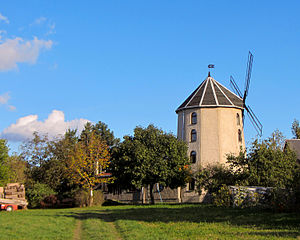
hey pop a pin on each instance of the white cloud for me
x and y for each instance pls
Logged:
(39, 21)
(51, 29)
(4, 101)
(54, 125)
(4, 98)
(3, 18)
(12, 108)
(13, 51)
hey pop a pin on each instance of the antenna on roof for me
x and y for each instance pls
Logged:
(210, 66)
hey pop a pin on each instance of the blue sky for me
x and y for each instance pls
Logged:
(130, 63)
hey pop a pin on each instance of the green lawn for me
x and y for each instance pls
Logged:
(149, 222)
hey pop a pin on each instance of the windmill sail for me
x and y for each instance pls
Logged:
(254, 120)
(248, 75)
(235, 87)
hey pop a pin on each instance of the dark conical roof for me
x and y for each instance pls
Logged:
(210, 93)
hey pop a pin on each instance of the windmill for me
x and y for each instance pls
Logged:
(254, 120)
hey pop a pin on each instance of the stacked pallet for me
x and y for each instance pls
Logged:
(1, 192)
(14, 191)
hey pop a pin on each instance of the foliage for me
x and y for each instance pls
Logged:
(212, 178)
(4, 169)
(222, 198)
(50, 201)
(151, 156)
(36, 193)
(88, 161)
(82, 198)
(47, 160)
(242, 197)
(282, 199)
(101, 130)
(17, 168)
(266, 164)
(296, 129)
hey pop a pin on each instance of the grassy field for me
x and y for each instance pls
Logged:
(149, 222)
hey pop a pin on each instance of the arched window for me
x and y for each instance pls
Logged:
(193, 118)
(192, 184)
(238, 120)
(193, 157)
(193, 135)
(240, 135)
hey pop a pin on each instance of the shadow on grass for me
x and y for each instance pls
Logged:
(285, 224)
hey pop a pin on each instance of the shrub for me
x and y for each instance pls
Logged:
(98, 198)
(282, 199)
(50, 202)
(212, 178)
(36, 193)
(81, 198)
(243, 197)
(222, 197)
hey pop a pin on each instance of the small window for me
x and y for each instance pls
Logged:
(240, 135)
(193, 157)
(238, 120)
(194, 118)
(192, 185)
(193, 135)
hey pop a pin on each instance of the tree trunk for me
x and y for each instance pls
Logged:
(151, 194)
(144, 195)
(91, 200)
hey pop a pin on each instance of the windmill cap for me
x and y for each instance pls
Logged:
(211, 93)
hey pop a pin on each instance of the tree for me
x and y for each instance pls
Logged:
(17, 168)
(102, 131)
(4, 170)
(46, 161)
(88, 161)
(296, 129)
(151, 156)
(266, 164)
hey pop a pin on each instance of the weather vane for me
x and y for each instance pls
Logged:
(210, 66)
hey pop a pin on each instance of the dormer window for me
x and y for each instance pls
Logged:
(238, 120)
(193, 118)
(193, 135)
(193, 157)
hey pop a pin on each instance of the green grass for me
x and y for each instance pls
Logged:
(149, 222)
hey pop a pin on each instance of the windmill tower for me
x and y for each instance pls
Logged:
(211, 121)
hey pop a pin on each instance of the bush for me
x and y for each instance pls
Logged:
(82, 197)
(222, 197)
(98, 198)
(282, 200)
(36, 193)
(50, 202)
(212, 178)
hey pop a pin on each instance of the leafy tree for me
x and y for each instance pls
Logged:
(54, 170)
(4, 170)
(17, 168)
(102, 131)
(37, 150)
(47, 161)
(212, 178)
(151, 156)
(88, 161)
(296, 129)
(266, 164)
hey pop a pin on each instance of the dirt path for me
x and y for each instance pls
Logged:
(77, 230)
(115, 231)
